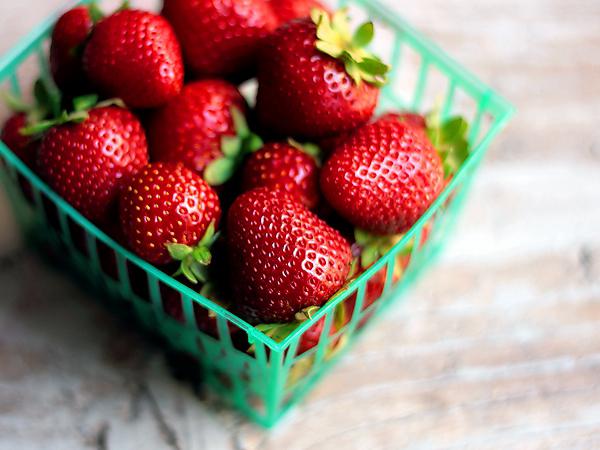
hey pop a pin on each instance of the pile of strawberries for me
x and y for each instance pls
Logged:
(269, 209)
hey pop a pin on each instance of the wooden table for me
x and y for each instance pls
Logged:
(498, 347)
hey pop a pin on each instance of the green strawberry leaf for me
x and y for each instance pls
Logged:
(210, 236)
(306, 313)
(85, 102)
(111, 102)
(48, 95)
(449, 138)
(239, 122)
(44, 125)
(199, 272)
(202, 255)
(369, 256)
(364, 35)
(126, 4)
(334, 39)
(252, 143)
(231, 146)
(333, 50)
(96, 13)
(194, 260)
(219, 171)
(373, 246)
(179, 251)
(15, 103)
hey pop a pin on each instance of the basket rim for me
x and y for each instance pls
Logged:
(493, 103)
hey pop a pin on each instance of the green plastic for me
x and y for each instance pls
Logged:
(266, 384)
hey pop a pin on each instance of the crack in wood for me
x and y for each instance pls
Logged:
(168, 432)
(586, 262)
(102, 437)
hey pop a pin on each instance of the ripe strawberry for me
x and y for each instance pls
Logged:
(283, 258)
(449, 137)
(383, 177)
(134, 55)
(87, 163)
(22, 146)
(315, 80)
(286, 167)
(68, 38)
(220, 37)
(169, 212)
(286, 10)
(415, 120)
(190, 128)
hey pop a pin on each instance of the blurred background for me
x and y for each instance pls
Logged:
(497, 347)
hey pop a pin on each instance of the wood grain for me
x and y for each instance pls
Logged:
(498, 346)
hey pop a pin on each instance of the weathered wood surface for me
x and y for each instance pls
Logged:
(498, 347)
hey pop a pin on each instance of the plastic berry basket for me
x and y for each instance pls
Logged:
(267, 382)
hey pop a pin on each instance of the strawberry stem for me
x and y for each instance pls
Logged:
(234, 149)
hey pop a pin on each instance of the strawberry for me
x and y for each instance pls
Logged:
(283, 258)
(69, 36)
(286, 167)
(383, 177)
(448, 137)
(415, 120)
(88, 162)
(316, 80)
(167, 212)
(220, 37)
(190, 128)
(22, 146)
(286, 10)
(134, 55)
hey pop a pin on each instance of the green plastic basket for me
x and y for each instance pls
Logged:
(264, 384)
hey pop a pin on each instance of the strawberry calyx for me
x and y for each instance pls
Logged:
(309, 148)
(234, 149)
(96, 13)
(335, 39)
(194, 260)
(81, 107)
(279, 331)
(449, 138)
(372, 247)
(46, 105)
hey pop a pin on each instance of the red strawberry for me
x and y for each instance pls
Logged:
(87, 163)
(449, 137)
(68, 38)
(307, 93)
(286, 10)
(165, 211)
(286, 167)
(283, 258)
(415, 120)
(220, 37)
(190, 127)
(22, 146)
(383, 178)
(134, 55)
